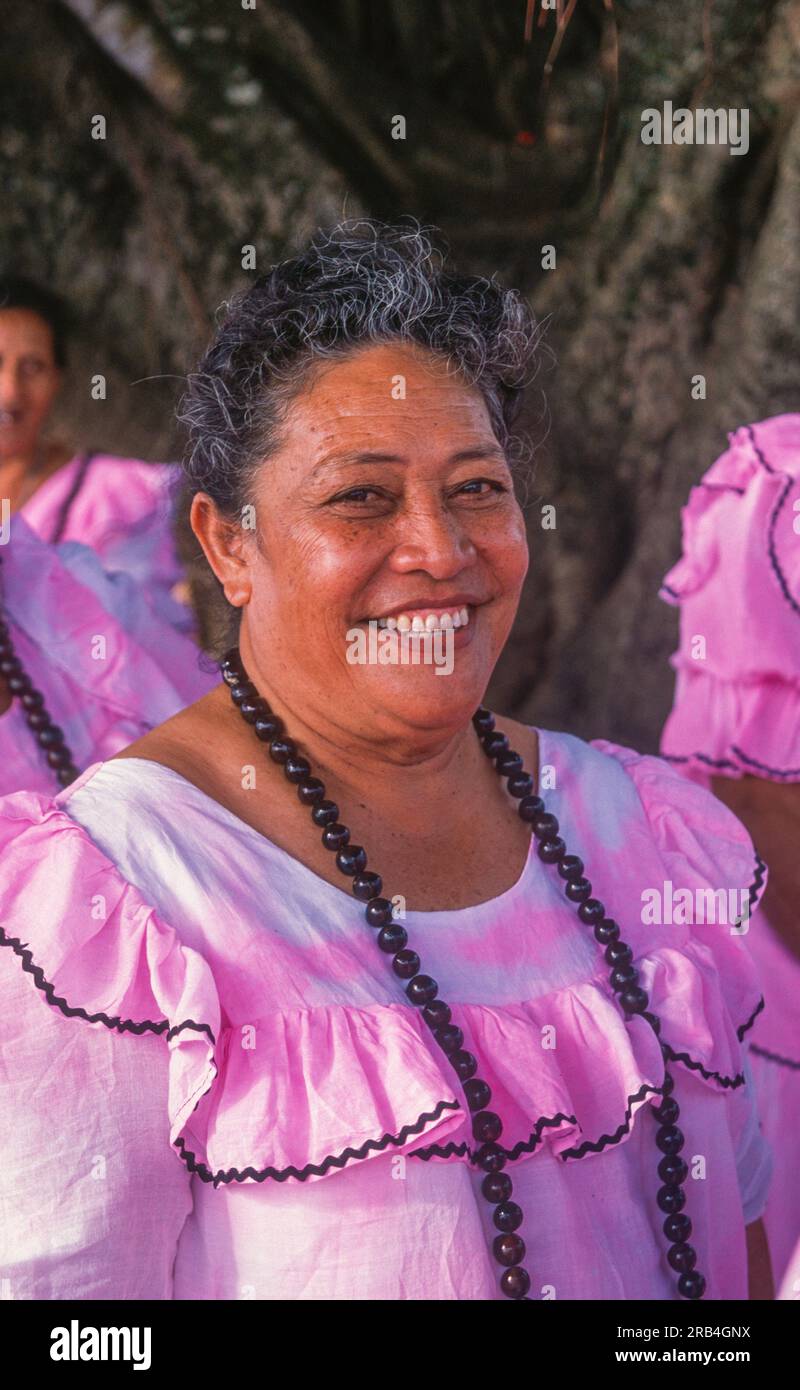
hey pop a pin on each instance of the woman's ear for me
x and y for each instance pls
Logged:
(223, 544)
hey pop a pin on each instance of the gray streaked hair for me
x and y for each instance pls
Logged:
(362, 282)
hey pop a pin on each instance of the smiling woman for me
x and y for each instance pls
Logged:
(403, 1024)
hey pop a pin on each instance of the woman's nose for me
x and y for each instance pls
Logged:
(432, 539)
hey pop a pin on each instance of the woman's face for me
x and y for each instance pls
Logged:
(29, 380)
(390, 496)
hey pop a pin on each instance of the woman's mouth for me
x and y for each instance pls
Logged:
(419, 620)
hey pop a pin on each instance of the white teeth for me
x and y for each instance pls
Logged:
(405, 622)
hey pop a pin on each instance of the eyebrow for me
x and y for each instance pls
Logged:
(478, 451)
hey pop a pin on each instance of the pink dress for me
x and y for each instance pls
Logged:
(124, 509)
(736, 711)
(225, 1094)
(110, 667)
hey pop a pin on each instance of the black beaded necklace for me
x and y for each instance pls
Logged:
(508, 1248)
(47, 734)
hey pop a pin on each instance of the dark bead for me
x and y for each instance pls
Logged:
(654, 1021)
(50, 737)
(232, 677)
(677, 1228)
(423, 989)
(530, 808)
(487, 1125)
(515, 1282)
(66, 775)
(450, 1038)
(378, 912)
(571, 867)
(406, 964)
(671, 1198)
(282, 749)
(495, 743)
(634, 1000)
(437, 1014)
(623, 976)
(37, 719)
(508, 1249)
(251, 710)
(668, 1084)
(692, 1285)
(325, 813)
(668, 1111)
(508, 1216)
(551, 850)
(6, 652)
(32, 699)
(591, 911)
(682, 1257)
(311, 791)
(351, 860)
(392, 937)
(335, 836)
(509, 762)
(618, 953)
(366, 886)
(606, 932)
(296, 769)
(490, 1157)
(520, 784)
(243, 690)
(478, 1093)
(483, 720)
(231, 663)
(268, 727)
(673, 1169)
(464, 1064)
(545, 826)
(578, 890)
(59, 757)
(669, 1139)
(10, 665)
(20, 684)
(497, 1187)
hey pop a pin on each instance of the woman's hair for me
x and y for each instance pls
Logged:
(363, 282)
(18, 292)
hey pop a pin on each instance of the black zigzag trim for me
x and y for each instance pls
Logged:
(227, 1175)
(118, 1024)
(776, 772)
(773, 521)
(729, 1082)
(723, 487)
(594, 1146)
(775, 1057)
(524, 1146)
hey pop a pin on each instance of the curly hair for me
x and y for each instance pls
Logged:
(362, 282)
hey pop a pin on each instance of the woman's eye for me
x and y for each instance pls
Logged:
(356, 494)
(482, 482)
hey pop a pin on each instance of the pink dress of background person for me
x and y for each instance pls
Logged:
(123, 508)
(243, 1107)
(736, 712)
(57, 601)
